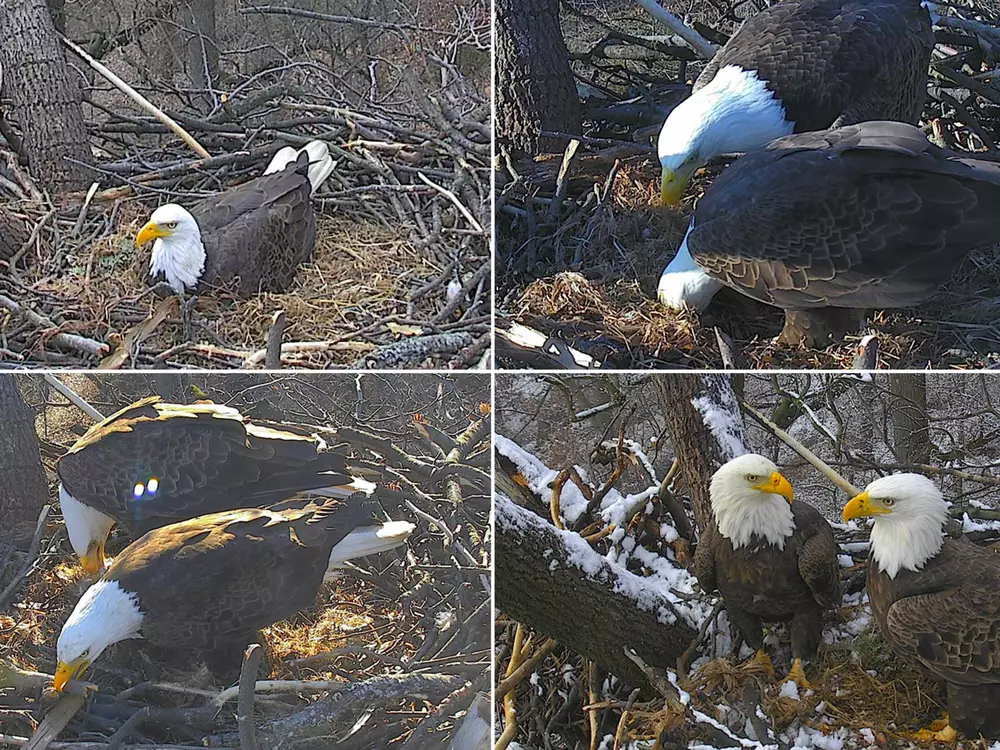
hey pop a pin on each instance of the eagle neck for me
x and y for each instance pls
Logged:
(684, 283)
(905, 544)
(83, 523)
(105, 614)
(180, 258)
(741, 519)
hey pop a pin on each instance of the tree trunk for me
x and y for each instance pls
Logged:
(46, 96)
(541, 582)
(910, 427)
(535, 89)
(198, 19)
(20, 500)
(706, 429)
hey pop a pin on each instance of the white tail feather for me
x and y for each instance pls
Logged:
(368, 540)
(357, 484)
(321, 164)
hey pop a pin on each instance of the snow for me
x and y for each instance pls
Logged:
(789, 690)
(539, 477)
(807, 738)
(973, 524)
(724, 422)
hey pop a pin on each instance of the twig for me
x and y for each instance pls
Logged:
(139, 99)
(68, 340)
(699, 43)
(274, 335)
(454, 199)
(73, 396)
(244, 704)
(36, 540)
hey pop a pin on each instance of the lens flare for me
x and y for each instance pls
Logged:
(139, 489)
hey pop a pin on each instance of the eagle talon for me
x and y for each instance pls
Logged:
(798, 675)
(764, 661)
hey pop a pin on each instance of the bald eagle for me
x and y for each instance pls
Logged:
(153, 463)
(249, 239)
(210, 583)
(797, 66)
(826, 225)
(936, 600)
(770, 558)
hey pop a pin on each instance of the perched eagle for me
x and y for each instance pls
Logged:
(797, 66)
(249, 239)
(828, 224)
(771, 559)
(936, 600)
(154, 463)
(210, 583)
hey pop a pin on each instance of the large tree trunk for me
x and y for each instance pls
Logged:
(535, 89)
(46, 95)
(541, 583)
(22, 497)
(706, 429)
(198, 19)
(908, 409)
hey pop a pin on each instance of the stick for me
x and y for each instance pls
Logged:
(272, 361)
(68, 340)
(454, 199)
(54, 722)
(73, 397)
(699, 43)
(244, 705)
(36, 540)
(139, 99)
(824, 468)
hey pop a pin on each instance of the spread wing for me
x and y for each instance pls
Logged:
(259, 232)
(202, 457)
(951, 622)
(830, 59)
(864, 216)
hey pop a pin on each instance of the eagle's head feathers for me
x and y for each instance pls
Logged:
(735, 112)
(105, 614)
(750, 497)
(88, 530)
(178, 252)
(909, 514)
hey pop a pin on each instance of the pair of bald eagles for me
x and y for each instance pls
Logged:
(216, 559)
(840, 204)
(936, 600)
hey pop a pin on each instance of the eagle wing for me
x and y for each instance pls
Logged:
(832, 59)
(259, 232)
(222, 576)
(202, 456)
(817, 557)
(864, 216)
(950, 623)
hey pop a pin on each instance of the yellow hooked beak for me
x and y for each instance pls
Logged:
(66, 672)
(93, 561)
(151, 232)
(777, 485)
(861, 506)
(673, 184)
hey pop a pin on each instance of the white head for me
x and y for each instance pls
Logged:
(909, 514)
(750, 497)
(735, 112)
(177, 248)
(105, 614)
(88, 530)
(683, 283)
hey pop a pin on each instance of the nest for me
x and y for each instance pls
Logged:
(400, 273)
(580, 252)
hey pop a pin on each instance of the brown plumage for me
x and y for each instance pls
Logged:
(946, 619)
(867, 216)
(761, 583)
(216, 579)
(13, 235)
(204, 457)
(836, 62)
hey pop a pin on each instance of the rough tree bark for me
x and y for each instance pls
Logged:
(20, 500)
(535, 89)
(908, 410)
(540, 584)
(685, 400)
(46, 96)
(198, 21)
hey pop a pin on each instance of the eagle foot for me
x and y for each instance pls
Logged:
(798, 675)
(939, 731)
(764, 661)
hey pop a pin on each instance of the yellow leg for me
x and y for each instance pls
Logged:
(798, 675)
(939, 731)
(764, 660)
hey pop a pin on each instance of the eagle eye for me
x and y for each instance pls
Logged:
(752, 477)
(171, 224)
(888, 501)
